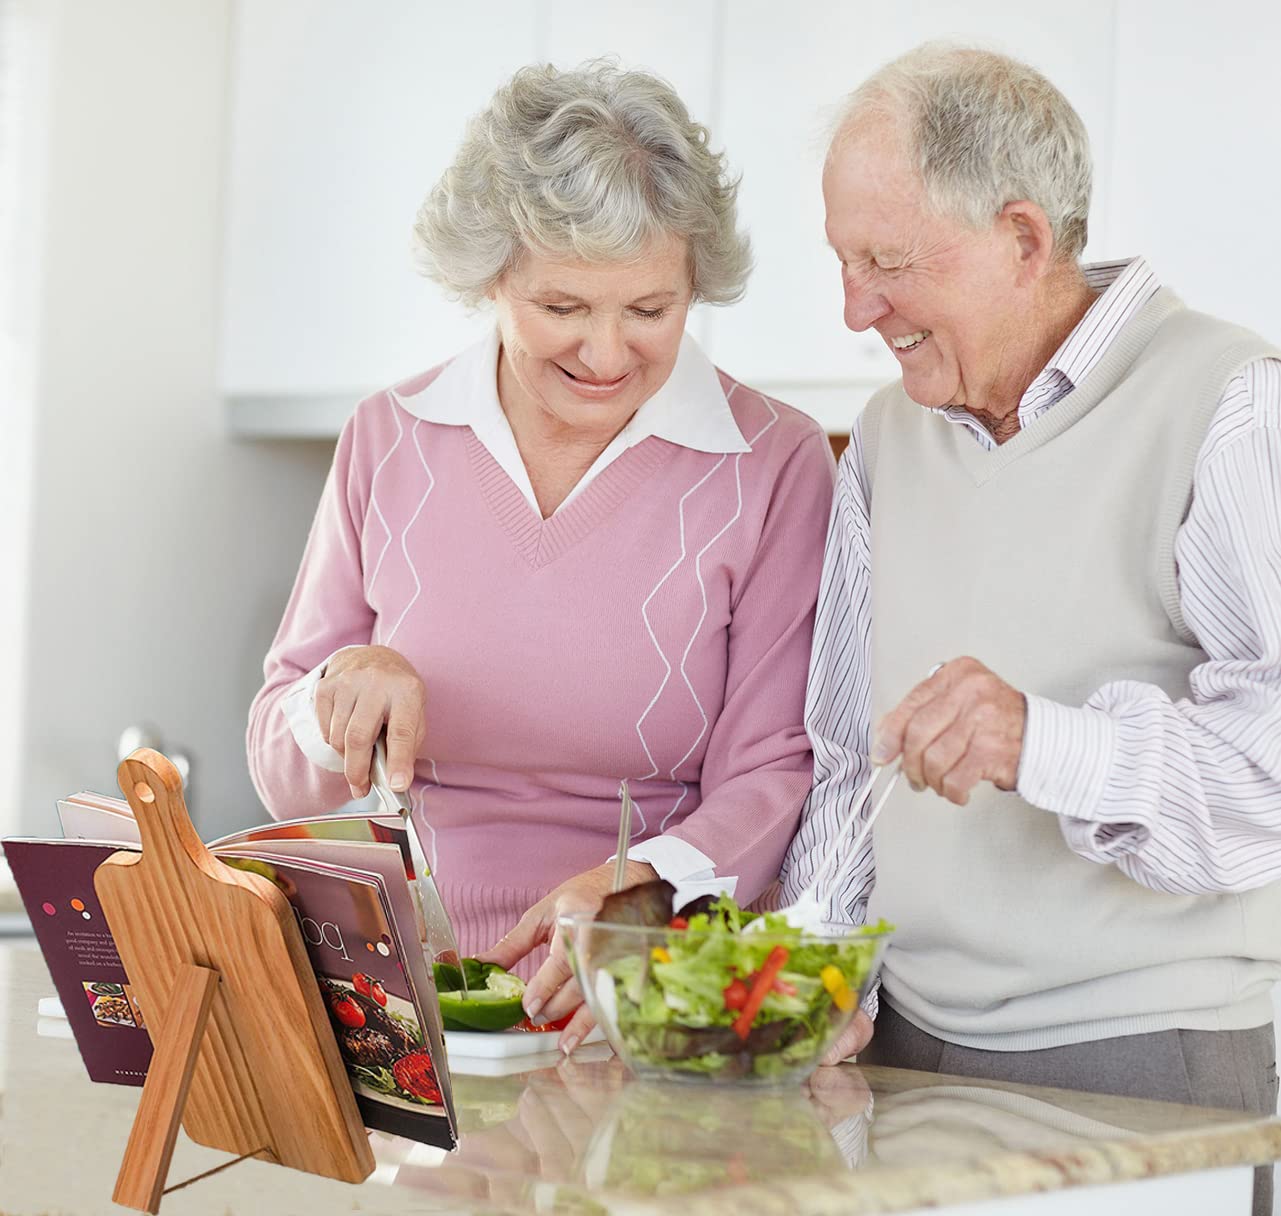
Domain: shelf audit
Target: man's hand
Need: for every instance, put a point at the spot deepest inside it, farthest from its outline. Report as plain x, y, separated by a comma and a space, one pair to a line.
961, 726
553, 992
852, 1040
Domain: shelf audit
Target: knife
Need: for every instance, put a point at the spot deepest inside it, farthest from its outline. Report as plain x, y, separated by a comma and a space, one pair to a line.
434, 930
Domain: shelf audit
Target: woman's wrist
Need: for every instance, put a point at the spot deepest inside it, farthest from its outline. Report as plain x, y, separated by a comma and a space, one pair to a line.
636, 872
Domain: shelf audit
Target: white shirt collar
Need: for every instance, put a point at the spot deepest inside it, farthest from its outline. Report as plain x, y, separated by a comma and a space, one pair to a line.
1121, 288
689, 409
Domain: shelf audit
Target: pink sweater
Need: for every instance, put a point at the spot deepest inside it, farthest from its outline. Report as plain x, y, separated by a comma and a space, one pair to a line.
655, 628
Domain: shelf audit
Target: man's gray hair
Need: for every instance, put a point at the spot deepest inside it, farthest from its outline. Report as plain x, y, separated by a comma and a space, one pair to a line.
985, 130
592, 163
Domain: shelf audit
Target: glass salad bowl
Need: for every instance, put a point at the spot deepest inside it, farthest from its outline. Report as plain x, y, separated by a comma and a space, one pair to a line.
720, 994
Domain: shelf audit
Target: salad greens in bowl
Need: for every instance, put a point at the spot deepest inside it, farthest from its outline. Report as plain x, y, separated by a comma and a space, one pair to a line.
715, 992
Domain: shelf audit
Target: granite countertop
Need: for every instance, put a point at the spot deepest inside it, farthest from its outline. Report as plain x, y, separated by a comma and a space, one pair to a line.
584, 1137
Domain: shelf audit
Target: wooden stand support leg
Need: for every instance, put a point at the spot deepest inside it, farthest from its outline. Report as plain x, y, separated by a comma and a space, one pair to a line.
141, 1180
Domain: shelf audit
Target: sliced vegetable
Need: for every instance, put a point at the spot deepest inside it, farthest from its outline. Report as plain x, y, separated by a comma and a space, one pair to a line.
760, 987
837, 988
493, 998
547, 1027
735, 994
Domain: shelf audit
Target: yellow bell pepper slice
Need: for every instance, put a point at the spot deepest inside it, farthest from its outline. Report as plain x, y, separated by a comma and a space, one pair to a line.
837, 988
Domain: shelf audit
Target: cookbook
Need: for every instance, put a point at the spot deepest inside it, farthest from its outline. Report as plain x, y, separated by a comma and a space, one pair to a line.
347, 878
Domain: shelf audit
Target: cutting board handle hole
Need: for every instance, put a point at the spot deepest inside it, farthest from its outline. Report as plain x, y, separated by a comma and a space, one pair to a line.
144, 792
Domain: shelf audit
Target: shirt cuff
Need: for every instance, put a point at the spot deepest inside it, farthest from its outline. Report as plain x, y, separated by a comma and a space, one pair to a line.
871, 1003
1067, 754
673, 858
688, 869
299, 707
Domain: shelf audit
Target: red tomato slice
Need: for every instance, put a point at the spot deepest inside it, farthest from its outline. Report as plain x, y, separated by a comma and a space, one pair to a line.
557, 1025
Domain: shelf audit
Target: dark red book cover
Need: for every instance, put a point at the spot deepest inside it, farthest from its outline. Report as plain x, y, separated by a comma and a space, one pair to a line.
379, 1020
55, 879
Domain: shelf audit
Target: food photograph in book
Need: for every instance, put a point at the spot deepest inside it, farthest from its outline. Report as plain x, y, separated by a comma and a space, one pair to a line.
378, 1019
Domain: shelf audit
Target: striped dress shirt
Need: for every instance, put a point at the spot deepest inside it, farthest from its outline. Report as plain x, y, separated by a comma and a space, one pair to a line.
1182, 796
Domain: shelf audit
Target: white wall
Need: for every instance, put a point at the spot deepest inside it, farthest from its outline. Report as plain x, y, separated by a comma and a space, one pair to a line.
23, 62
163, 550
1196, 165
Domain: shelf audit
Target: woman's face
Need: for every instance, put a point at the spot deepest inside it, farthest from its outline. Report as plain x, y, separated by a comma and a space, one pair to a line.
585, 344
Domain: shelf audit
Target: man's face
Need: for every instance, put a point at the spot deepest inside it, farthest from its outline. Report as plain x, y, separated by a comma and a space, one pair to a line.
941, 295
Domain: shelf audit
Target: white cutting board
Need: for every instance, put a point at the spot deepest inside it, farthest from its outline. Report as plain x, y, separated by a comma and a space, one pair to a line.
507, 1044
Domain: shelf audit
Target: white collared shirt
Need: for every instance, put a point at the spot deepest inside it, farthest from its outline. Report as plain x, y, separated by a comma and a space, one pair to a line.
689, 409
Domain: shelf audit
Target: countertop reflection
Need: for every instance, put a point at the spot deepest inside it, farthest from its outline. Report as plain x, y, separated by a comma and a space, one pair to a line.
581, 1136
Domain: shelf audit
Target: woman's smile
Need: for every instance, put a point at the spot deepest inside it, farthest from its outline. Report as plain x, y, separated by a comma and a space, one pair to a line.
590, 388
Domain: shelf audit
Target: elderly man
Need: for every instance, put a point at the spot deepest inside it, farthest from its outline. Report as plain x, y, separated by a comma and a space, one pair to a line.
1078, 483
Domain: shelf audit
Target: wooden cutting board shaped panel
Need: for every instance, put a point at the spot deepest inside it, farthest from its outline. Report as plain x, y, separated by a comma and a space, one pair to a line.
268, 1074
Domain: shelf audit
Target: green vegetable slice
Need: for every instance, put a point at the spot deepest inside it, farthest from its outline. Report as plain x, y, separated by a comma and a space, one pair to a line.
493, 1000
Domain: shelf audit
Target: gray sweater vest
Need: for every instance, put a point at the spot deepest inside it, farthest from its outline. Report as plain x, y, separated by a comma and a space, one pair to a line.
1051, 560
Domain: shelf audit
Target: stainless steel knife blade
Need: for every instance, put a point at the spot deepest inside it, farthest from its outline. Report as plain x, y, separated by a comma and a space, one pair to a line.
435, 930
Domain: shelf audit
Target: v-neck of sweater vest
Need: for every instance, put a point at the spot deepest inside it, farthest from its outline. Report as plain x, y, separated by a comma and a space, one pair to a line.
541, 541
983, 464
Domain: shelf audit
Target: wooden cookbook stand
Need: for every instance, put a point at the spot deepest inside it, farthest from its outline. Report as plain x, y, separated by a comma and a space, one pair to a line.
244, 1053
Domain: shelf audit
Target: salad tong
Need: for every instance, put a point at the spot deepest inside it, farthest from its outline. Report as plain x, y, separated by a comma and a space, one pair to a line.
806, 912
435, 931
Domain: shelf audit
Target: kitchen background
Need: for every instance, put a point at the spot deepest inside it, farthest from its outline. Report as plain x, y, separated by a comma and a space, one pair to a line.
204, 215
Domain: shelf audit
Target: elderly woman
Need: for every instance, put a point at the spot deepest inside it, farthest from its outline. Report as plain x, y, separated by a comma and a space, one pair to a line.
575, 553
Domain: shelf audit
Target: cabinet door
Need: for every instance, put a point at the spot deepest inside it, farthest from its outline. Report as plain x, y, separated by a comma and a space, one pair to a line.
787, 68
342, 117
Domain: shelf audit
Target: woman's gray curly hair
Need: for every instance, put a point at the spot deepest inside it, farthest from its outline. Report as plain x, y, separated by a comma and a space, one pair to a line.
985, 130
592, 163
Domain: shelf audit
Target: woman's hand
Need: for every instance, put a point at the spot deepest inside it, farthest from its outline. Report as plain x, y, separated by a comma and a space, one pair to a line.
553, 993
362, 688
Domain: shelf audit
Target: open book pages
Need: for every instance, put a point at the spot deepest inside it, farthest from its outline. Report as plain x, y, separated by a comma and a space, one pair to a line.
348, 879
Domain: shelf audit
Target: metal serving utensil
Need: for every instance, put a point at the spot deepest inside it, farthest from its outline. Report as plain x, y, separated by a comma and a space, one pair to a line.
437, 932
624, 835
807, 911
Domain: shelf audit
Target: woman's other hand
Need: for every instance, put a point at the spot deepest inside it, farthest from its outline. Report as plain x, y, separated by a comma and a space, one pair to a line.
363, 687
553, 992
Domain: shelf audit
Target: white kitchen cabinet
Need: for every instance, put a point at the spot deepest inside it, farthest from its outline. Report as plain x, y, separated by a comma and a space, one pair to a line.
343, 117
